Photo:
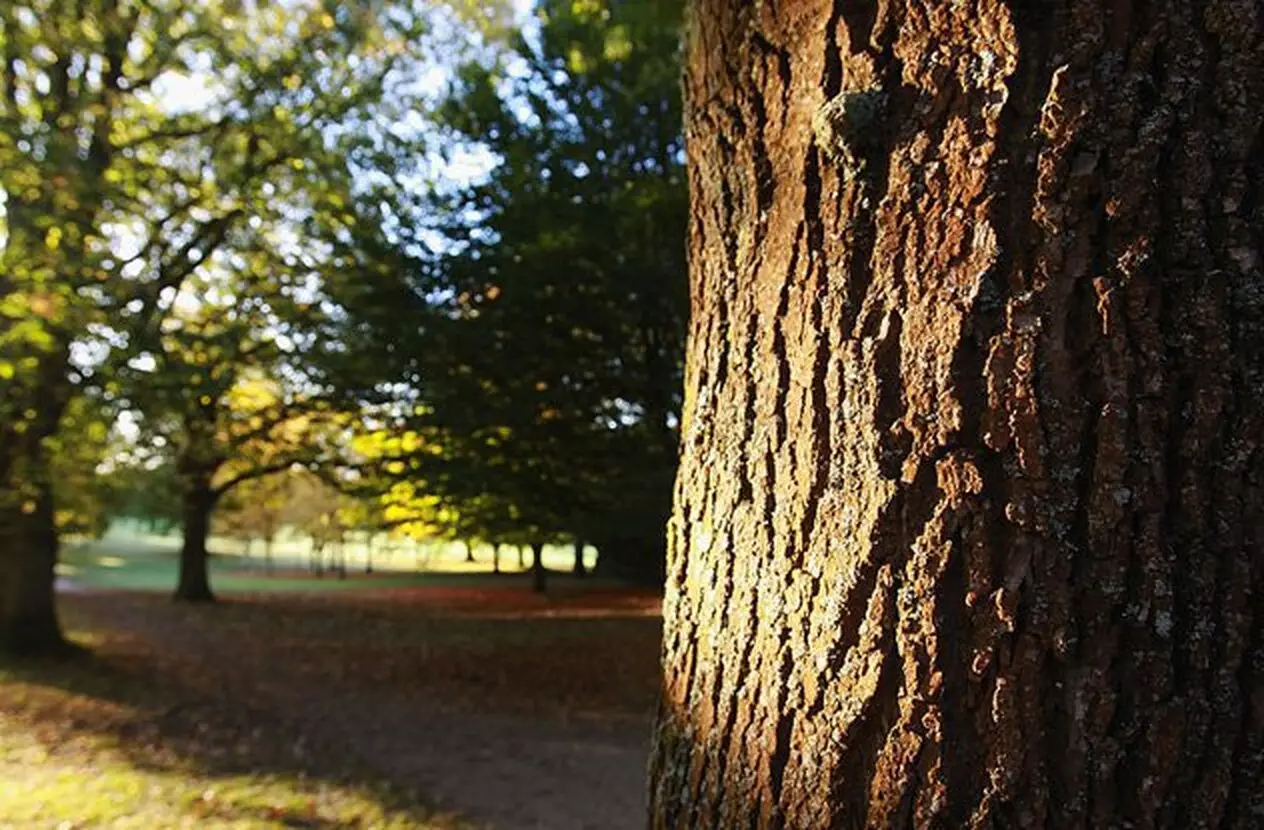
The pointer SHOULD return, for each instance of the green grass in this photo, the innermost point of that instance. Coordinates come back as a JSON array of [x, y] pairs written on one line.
[[94, 787], [133, 561]]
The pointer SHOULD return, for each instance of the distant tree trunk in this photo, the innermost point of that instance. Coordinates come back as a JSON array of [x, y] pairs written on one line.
[[580, 570], [496, 558], [269, 565], [198, 503], [368, 554], [469, 550], [539, 576], [522, 560], [317, 557], [969, 529]]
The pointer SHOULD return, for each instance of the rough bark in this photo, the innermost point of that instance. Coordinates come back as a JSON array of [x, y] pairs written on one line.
[[194, 584], [969, 530]]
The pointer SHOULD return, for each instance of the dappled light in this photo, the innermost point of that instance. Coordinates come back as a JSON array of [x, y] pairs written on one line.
[[327, 703], [114, 740]]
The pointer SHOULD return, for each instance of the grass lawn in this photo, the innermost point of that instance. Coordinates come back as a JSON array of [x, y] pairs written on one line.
[[133, 561]]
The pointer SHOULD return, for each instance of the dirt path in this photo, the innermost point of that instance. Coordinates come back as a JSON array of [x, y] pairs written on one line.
[[496, 737]]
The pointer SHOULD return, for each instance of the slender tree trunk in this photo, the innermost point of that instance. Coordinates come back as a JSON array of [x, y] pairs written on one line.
[[199, 502], [969, 530], [269, 564], [496, 558], [469, 550], [522, 560], [318, 558], [539, 577], [580, 570]]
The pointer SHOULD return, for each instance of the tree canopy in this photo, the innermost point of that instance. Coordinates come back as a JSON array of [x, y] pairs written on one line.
[[548, 306], [233, 225]]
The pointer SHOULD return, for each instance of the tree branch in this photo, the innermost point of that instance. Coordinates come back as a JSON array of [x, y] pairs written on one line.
[[251, 474]]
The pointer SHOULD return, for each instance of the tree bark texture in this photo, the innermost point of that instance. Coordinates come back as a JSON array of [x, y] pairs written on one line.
[[969, 530], [194, 583]]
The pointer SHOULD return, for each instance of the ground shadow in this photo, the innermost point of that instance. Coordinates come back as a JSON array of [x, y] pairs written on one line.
[[293, 685]]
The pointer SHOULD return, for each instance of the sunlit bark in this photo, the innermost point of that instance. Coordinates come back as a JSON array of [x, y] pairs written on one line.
[[969, 530]]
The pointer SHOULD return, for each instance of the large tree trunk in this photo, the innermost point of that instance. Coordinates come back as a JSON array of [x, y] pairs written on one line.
[[969, 530], [194, 584]]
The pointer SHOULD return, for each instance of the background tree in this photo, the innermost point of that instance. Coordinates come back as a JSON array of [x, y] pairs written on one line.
[[227, 394], [148, 490], [969, 530], [115, 193], [86, 494], [258, 509], [548, 313]]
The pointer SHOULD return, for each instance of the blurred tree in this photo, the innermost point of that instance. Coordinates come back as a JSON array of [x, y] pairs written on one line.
[[136, 138], [87, 495], [548, 325], [148, 490], [258, 509], [229, 409]]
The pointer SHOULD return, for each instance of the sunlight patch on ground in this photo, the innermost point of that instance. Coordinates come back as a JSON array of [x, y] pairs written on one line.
[[73, 759]]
